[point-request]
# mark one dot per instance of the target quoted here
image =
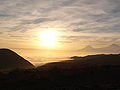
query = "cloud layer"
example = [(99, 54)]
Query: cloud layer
[(95, 22)]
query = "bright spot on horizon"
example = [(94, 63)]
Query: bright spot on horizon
[(48, 38)]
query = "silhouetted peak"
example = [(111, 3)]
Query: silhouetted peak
[(11, 60), (114, 48), (5, 49), (89, 47), (114, 45), (8, 52)]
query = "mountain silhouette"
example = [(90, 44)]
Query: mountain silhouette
[(10, 60), (88, 49), (92, 72), (108, 49)]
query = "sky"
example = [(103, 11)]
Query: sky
[(78, 23)]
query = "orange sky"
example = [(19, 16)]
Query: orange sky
[(78, 23)]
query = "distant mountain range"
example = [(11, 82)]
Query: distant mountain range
[(109, 49), (10, 60)]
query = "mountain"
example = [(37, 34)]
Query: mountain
[(109, 49), (10, 60), (112, 48), (88, 49), (93, 72)]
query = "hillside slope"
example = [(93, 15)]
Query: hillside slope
[(11, 60), (77, 74)]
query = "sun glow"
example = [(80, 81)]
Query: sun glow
[(48, 38)]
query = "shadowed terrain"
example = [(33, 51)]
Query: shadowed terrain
[(10, 60), (94, 72)]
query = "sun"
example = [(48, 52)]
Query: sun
[(48, 38)]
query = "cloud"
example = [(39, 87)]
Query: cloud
[(92, 18)]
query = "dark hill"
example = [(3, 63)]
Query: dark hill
[(11, 60), (94, 72), (90, 60)]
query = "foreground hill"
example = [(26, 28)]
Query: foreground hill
[(81, 73), (10, 60)]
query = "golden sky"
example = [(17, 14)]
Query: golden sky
[(72, 24)]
